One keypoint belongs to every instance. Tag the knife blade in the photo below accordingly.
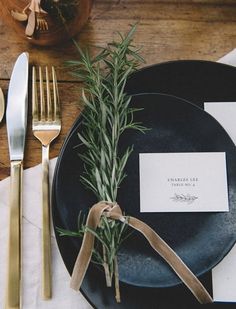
(16, 119)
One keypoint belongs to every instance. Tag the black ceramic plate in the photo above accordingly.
(194, 80)
(201, 239)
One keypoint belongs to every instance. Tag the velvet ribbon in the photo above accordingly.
(113, 211)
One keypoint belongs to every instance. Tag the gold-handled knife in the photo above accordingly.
(16, 118)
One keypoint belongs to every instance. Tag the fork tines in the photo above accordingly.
(48, 109)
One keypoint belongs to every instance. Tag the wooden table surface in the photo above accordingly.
(167, 30)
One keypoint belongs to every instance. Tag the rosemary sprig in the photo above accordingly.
(106, 115)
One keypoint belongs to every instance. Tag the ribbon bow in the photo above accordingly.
(114, 212)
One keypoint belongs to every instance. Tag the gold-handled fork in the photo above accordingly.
(46, 125)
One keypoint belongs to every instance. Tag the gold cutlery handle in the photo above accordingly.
(13, 295)
(46, 231)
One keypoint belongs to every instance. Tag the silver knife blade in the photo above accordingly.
(17, 106)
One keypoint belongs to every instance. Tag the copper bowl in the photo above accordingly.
(59, 29)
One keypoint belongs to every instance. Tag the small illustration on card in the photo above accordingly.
(183, 182)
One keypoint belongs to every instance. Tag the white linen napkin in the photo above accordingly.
(224, 274)
(63, 296)
(229, 58)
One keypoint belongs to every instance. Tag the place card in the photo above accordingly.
(183, 182)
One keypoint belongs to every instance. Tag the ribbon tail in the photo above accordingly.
(84, 256)
(175, 262)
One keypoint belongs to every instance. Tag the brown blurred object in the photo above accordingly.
(57, 30)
